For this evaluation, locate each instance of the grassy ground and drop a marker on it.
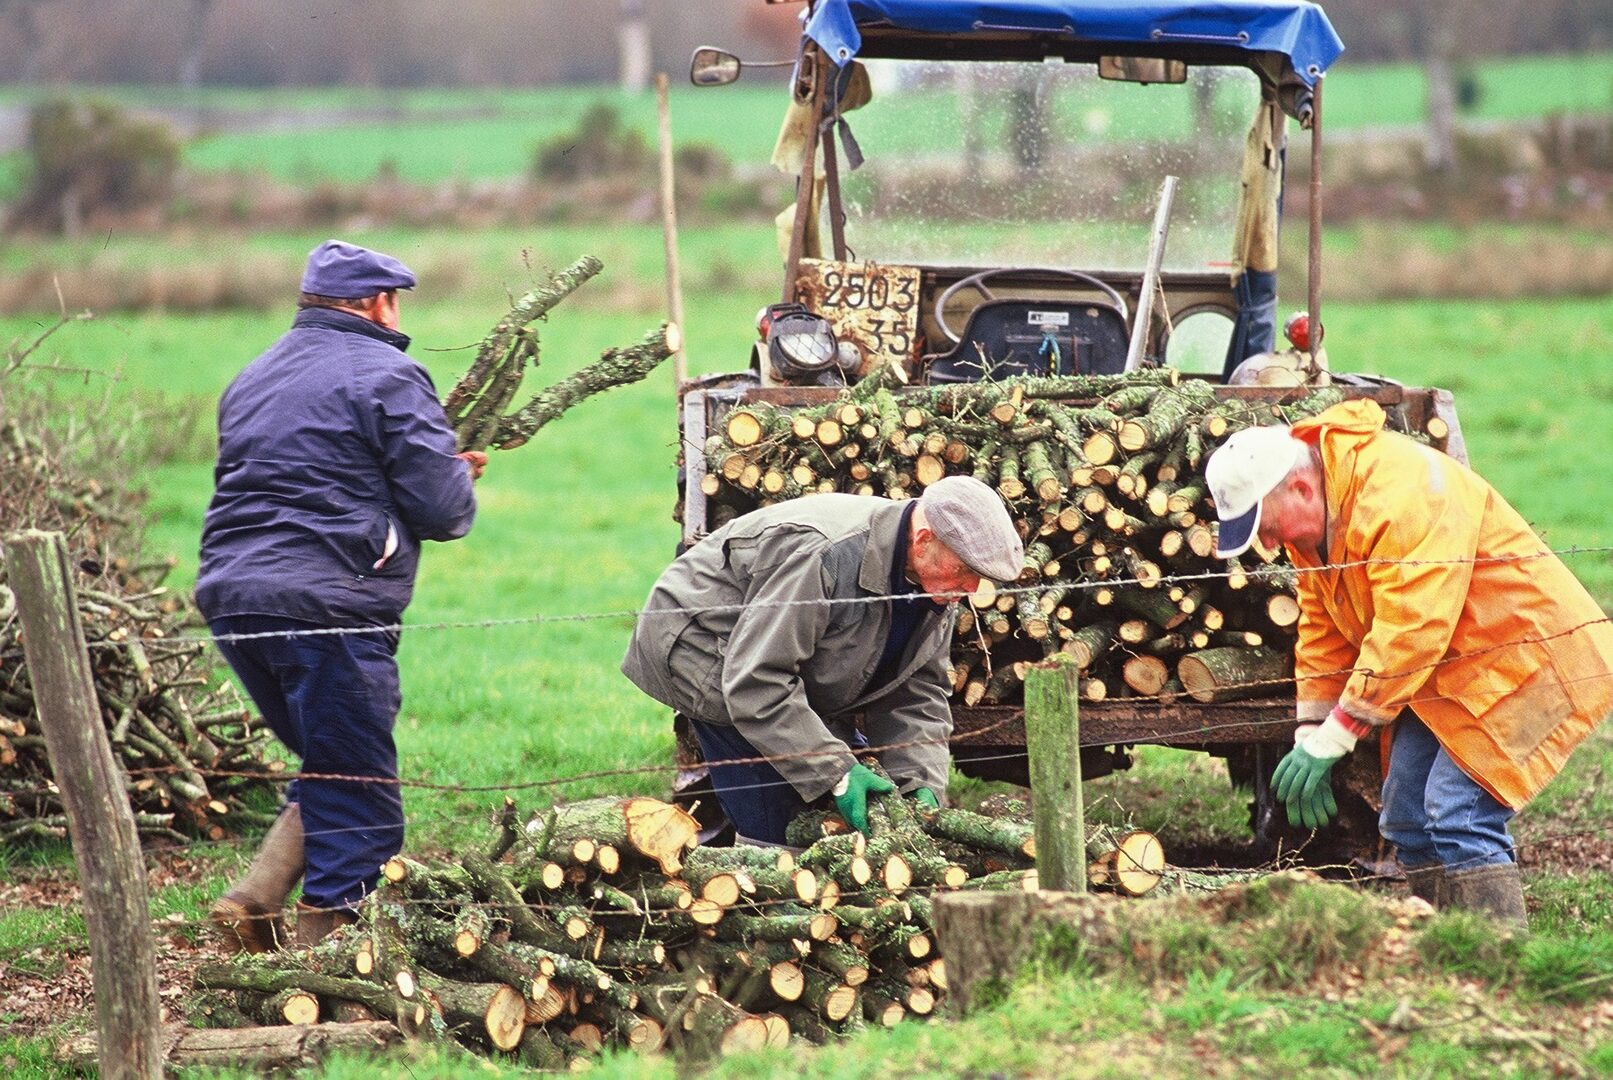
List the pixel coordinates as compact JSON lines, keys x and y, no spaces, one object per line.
{"x":579,"y":523}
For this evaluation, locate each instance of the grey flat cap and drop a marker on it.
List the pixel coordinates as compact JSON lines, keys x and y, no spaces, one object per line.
{"x":970,"y":519}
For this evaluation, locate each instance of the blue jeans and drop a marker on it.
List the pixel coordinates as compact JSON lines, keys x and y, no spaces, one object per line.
{"x":1433,"y":812}
{"x":332,"y":699}
{"x":756,"y":797}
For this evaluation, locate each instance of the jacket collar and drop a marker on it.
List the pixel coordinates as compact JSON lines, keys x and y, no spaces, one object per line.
{"x":325,"y":318}
{"x":1338,"y":433}
{"x":875,"y":574}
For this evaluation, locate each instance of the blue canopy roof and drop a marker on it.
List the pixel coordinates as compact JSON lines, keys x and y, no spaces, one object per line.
{"x":1294,"y":29}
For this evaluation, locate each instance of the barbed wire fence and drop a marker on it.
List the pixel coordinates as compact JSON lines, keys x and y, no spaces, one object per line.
{"x":140,"y":959}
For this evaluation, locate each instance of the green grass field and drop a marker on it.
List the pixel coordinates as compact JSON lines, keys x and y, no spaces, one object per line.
{"x":431,"y":135}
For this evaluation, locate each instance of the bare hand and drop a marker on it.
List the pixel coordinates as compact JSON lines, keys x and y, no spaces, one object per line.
{"x":475,"y":461}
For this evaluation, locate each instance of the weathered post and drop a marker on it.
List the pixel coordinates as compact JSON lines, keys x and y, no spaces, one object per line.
{"x":669,"y":227}
{"x":988,"y":936}
{"x":1053,"y":740}
{"x":106,"y":845}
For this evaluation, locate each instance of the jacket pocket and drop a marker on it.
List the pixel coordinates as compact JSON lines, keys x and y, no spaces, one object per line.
{"x":1528,"y":700}
{"x":384,"y":542}
{"x":695,"y":662}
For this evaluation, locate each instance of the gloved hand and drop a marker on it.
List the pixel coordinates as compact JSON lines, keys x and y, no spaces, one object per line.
{"x":925,"y":797}
{"x":851,"y":794}
{"x":1303,"y":778}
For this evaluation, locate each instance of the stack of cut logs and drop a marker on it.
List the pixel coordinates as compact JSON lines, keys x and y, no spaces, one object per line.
{"x":600,"y":923}
{"x":172,"y":729}
{"x":1104,"y":477}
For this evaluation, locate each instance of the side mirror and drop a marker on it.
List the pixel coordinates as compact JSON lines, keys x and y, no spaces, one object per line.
{"x":713,"y":67}
{"x":1142,"y":69}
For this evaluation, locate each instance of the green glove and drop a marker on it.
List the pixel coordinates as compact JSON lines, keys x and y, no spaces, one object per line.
{"x":1303,"y":782}
{"x":851,"y":794}
{"x":1303,"y":779}
{"x":927,"y":797}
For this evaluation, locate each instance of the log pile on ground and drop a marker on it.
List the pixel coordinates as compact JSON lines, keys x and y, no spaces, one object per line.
{"x":171,"y":728}
{"x":1104,"y":477}
{"x":477,"y":403}
{"x":600,"y":923}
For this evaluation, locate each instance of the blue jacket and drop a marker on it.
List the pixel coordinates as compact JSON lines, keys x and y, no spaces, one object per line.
{"x":335,"y":461}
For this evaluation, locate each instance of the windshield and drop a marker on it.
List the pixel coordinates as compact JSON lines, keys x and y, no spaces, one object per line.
{"x":1014,"y":164}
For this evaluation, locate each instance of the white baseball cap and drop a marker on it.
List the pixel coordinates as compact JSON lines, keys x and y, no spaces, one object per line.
{"x":1243,"y":471}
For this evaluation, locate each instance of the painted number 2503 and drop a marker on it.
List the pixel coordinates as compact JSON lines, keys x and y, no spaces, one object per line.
{"x":857,"y":291}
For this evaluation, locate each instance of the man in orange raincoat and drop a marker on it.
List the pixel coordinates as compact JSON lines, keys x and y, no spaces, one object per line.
{"x":1426,"y":603}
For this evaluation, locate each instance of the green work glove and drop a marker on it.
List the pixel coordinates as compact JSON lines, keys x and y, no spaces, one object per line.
{"x":851,"y":794}
{"x":926,"y":798}
{"x":1303,"y":780}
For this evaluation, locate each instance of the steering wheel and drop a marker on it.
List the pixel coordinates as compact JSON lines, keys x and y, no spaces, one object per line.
{"x":978,"y":283}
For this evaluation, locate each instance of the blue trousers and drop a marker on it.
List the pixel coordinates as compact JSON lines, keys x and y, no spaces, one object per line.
{"x":332,"y":699}
{"x":756,"y":798}
{"x":1433,"y":812}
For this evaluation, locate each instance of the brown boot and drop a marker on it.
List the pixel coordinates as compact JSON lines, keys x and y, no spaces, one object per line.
{"x":316,"y":924}
{"x":247,"y":916}
{"x":1430,"y":883}
{"x":1496,"y":891}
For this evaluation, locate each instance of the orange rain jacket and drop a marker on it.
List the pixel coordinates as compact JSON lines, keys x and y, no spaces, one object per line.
{"x":1462,"y":613}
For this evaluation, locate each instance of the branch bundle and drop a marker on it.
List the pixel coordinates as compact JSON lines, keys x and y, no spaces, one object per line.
{"x":170,"y":728}
{"x":1104,"y":478}
{"x":477,"y":403}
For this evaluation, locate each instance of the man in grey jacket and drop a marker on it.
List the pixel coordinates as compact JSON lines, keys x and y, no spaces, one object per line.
{"x":769,"y":634}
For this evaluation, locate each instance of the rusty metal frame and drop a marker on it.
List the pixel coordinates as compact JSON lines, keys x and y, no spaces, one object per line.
{"x":804,"y":202}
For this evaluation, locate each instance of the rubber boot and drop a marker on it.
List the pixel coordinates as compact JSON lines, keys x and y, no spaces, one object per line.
{"x":316,"y":924}
{"x":248,"y":915}
{"x":1496,"y":891}
{"x":1430,"y":883}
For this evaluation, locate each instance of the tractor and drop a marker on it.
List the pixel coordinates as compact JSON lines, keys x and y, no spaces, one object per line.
{"x":1003,"y":188}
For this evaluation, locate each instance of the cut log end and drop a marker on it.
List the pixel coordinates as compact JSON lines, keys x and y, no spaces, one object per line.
{"x":505,"y":1020}
{"x":1139,"y":862}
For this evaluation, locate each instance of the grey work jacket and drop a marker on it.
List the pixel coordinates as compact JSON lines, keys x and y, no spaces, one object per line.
{"x":777,"y":673}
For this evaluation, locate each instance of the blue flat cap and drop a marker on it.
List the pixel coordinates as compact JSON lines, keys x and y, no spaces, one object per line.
{"x":348,"y":272}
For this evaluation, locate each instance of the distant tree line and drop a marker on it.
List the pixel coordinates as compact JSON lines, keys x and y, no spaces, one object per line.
{"x":403,"y":43}
{"x":529,"y":42}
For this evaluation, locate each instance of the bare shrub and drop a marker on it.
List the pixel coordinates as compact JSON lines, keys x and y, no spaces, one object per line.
{"x":599,"y":146}
{"x":88,"y":157}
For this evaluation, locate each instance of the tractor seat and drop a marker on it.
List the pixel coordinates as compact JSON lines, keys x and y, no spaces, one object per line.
{"x":1004,"y":338}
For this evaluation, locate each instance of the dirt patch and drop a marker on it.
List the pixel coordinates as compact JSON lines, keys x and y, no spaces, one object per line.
{"x":49,"y":989}
{"x":1571,"y":853}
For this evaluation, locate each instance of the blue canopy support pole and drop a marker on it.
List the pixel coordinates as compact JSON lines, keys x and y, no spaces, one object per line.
{"x":805,"y":202}
{"x":1313,"y":305}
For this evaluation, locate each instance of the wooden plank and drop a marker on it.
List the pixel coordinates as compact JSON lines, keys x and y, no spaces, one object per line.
{"x":106,"y":846}
{"x":1053,"y":740}
{"x":1109,"y":723}
{"x":279,"y":1047}
{"x":696,"y":512}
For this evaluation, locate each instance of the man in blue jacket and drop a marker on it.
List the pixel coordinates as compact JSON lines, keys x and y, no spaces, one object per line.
{"x":335,"y":461}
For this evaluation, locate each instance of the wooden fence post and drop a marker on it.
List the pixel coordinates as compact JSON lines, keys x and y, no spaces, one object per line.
{"x":106,"y":845}
{"x":1053,"y":741}
{"x":669,"y":228}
